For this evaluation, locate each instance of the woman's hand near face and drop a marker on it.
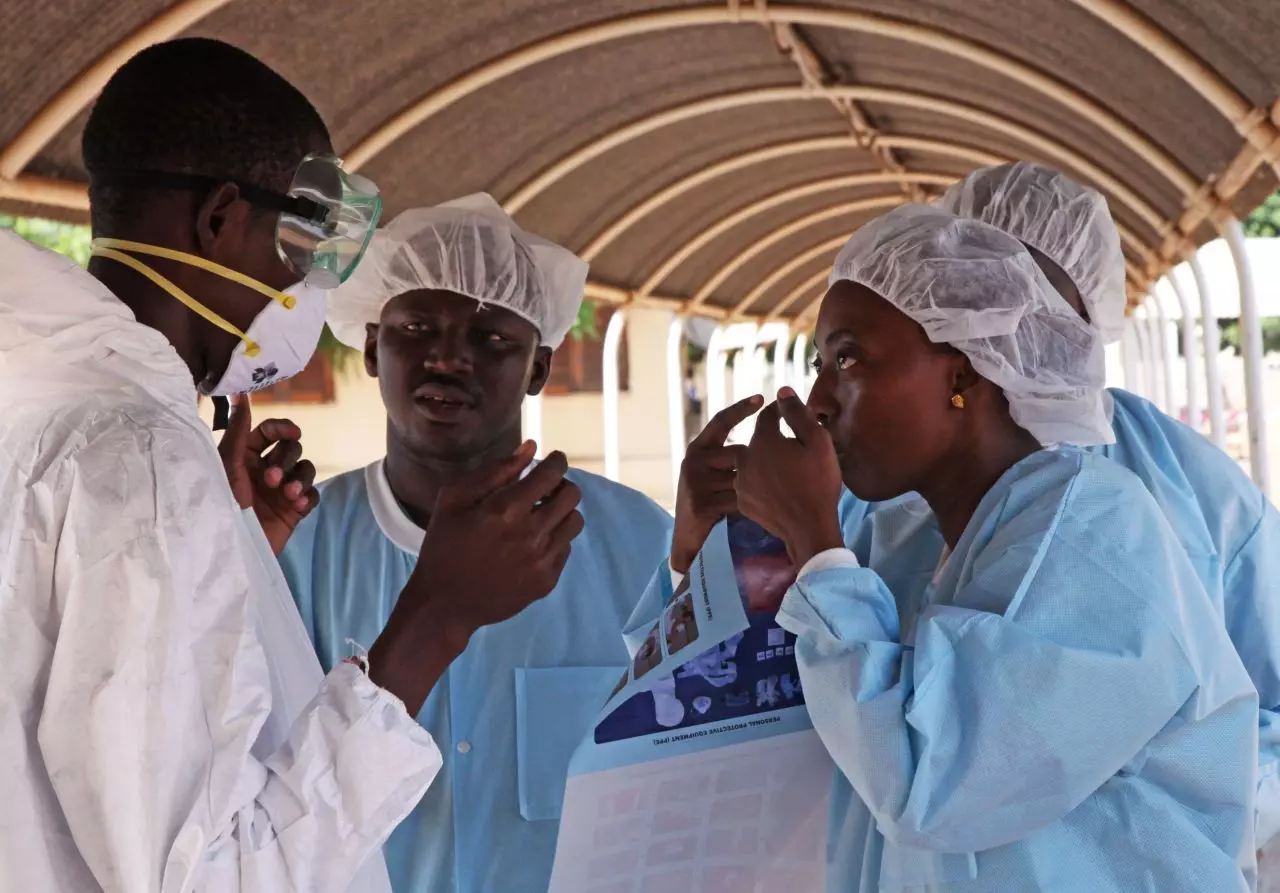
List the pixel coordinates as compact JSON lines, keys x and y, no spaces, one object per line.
{"x":791,"y":486}
{"x":705,"y":493}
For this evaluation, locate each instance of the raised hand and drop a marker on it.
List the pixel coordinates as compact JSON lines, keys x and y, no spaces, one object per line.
{"x":791,"y":486}
{"x":706,"y":493}
{"x":495,"y":544}
{"x":278,"y":485}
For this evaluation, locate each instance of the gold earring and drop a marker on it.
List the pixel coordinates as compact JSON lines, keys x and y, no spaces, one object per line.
{"x":957,"y":400}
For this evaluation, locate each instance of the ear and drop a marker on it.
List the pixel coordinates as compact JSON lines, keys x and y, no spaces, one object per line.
{"x":964,"y":378}
{"x":541,"y":371}
{"x":371,"y":349}
{"x":221,"y":221}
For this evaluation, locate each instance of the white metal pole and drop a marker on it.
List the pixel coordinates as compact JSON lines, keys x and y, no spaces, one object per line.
{"x":716,"y":398}
{"x":533,"y":422}
{"x":747,"y":367}
{"x":1212,"y":343}
{"x":1130,"y":357}
{"x":1166,"y":354}
{"x":1150,"y":383}
{"x":743,"y":377}
{"x":612,"y":341}
{"x":1144,"y":365}
{"x":798,"y":372}
{"x":1188,"y":329}
{"x":780,"y":377}
{"x":1156,"y":358}
{"x":676,"y":397}
{"x":1251,"y":348}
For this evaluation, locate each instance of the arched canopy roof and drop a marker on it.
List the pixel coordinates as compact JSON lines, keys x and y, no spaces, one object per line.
{"x":712,"y":155}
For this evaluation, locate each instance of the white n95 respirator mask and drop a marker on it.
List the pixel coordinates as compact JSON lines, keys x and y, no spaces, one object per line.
{"x":285,"y":337}
{"x":278,"y":343}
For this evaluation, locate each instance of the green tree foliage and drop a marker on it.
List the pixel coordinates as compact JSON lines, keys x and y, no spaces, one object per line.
{"x":1265,"y":219}
{"x":1264,"y":222}
{"x":1229,"y":334}
{"x":70,"y":239}
{"x":585,"y":324}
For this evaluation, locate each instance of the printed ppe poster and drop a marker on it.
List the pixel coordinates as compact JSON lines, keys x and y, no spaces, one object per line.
{"x":703,"y":773}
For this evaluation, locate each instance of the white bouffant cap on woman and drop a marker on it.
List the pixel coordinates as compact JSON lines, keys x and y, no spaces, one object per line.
{"x":975,"y":287}
{"x":1066,"y":222}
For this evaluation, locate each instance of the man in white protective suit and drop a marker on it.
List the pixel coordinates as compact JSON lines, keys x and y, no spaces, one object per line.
{"x":164,"y":724}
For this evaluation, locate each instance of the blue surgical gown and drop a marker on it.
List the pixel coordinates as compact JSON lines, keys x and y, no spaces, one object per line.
{"x":1057,"y":707}
{"x":853,"y":511}
{"x":512,"y":708}
{"x":1231,"y":533}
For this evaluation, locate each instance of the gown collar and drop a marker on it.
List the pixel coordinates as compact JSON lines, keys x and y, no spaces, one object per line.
{"x":392,"y":520}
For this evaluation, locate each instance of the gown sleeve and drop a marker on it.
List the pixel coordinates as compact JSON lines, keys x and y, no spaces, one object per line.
{"x":1252,"y":581}
{"x":159,"y":687}
{"x":1045,"y":670}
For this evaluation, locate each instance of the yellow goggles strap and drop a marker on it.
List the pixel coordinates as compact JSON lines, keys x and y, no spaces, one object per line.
{"x":250,"y":346}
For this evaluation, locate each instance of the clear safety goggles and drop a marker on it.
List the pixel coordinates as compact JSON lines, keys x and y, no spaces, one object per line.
{"x":329,"y":223}
{"x":327,"y":216}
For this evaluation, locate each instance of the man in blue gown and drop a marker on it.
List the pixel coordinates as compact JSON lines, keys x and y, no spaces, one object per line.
{"x":457,"y":312}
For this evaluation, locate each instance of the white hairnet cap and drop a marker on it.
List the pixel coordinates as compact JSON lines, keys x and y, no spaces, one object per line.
{"x":1063,"y":220}
{"x":976,"y":288}
{"x":470,"y":247}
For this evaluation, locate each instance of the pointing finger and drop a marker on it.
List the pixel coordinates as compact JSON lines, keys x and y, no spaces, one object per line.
{"x":281,"y":461}
{"x":539,"y":484}
{"x":767,"y":428}
{"x":236,"y":437}
{"x":269,"y":432}
{"x":478,"y":483}
{"x":799,"y":417}
{"x":724,"y":421}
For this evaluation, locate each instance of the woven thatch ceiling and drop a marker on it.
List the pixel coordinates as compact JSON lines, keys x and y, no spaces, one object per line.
{"x":712,"y":153}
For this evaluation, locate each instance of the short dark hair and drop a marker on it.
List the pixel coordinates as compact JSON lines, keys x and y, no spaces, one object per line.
{"x":194,"y":106}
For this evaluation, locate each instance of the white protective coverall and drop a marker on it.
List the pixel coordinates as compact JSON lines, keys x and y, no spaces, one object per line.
{"x":164,"y":725}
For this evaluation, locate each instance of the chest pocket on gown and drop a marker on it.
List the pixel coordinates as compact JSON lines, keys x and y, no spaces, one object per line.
{"x":555,"y":709}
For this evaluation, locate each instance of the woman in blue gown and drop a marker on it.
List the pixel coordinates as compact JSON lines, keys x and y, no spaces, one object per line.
{"x":1023,"y":683}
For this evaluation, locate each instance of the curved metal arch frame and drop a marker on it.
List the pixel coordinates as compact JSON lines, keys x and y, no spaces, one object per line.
{"x":1045,"y":145}
{"x":847,"y":20}
{"x":1175,"y":56}
{"x":1253,"y":124}
{"x":696,"y":109}
{"x":940,"y":147}
{"x":1189,"y":67}
{"x":76,"y":96}
{"x":706,"y":174}
{"x":773,"y":200}
{"x":1135,"y":274}
{"x":720,"y":227}
{"x":803,"y":289}
{"x":830,"y":212}
{"x":830,"y":246}
{"x":773,"y":152}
